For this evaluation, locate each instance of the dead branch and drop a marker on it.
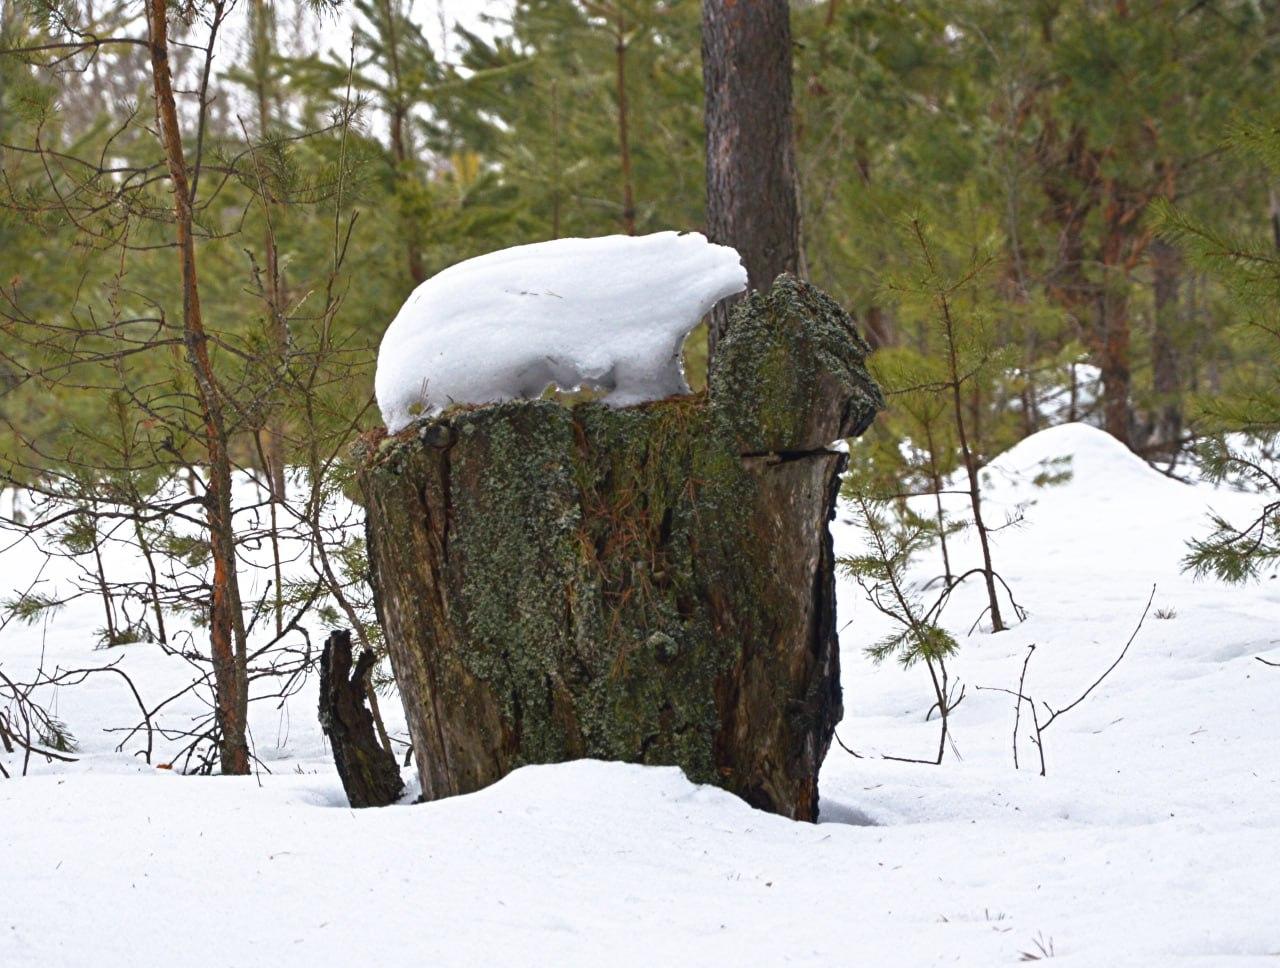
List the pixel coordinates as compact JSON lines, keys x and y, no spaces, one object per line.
{"x":1020,"y":695}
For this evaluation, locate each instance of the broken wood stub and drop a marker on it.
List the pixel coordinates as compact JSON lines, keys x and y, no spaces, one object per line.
{"x":367,"y":769}
{"x":652,"y":584}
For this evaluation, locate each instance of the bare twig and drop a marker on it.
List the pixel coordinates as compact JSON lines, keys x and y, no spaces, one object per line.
{"x":1054,"y":714}
{"x":1020,"y":695}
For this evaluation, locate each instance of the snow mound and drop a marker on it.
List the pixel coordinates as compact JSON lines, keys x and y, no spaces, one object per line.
{"x":609,"y":313}
{"x":1093,"y":457}
{"x":1076,"y":487}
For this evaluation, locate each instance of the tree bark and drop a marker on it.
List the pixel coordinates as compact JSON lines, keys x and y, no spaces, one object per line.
{"x":1076,"y":184}
{"x":1112,"y":349}
{"x":397,"y":108}
{"x":1166,"y":363}
{"x":1112,"y":330}
{"x":624,"y":136}
{"x":262,"y":25}
{"x":367,"y":768}
{"x":652,"y":584}
{"x":751,"y":181}
{"x":226,"y":622}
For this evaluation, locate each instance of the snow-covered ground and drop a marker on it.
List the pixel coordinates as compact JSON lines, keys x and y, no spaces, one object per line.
{"x":1153,"y":840}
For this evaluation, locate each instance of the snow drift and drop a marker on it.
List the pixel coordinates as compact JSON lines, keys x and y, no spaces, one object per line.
{"x":1153,"y":841}
{"x":609,"y":313}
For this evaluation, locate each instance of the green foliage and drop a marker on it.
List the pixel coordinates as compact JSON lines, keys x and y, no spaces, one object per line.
{"x":1242,"y":418}
{"x":54,"y":735}
{"x":917,"y":446}
{"x":31,"y":607}
{"x":941,"y":426}
{"x":955,"y":113}
{"x":546,"y":111}
{"x":1235,"y":551}
{"x":894,"y":537}
{"x":1036,"y":133}
{"x":192,"y":551}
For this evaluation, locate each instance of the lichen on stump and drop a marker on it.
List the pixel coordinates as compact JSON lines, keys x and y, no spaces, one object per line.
{"x":652,"y":584}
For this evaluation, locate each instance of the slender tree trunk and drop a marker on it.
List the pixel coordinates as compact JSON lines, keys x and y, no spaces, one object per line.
{"x":401,"y":150}
{"x":624,"y":137}
{"x":555,"y":159}
{"x":107,"y":605}
{"x":955,"y":383}
{"x":1111,"y":334}
{"x":935,"y":480}
{"x":226,"y":623}
{"x":273,"y":434}
{"x":273,"y":446}
{"x":144,"y":545}
{"x":1166,"y":363}
{"x":751,"y":172}
{"x":975,"y":488}
{"x":1028,"y":393}
{"x":876,"y":327}
{"x":1069,"y":181}
{"x":1111,"y":348}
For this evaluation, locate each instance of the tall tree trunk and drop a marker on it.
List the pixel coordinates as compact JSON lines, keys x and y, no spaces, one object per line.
{"x":273,"y":434}
{"x":970,"y":464}
{"x":1075,"y":186}
{"x":1111,"y":348}
{"x":1166,"y":362}
{"x":226,"y":622}
{"x":401,"y":149}
{"x":1112,"y":336}
{"x":624,"y":136}
{"x":876,"y":327}
{"x":557,"y":172}
{"x":751,"y":179}
{"x":273,"y":445}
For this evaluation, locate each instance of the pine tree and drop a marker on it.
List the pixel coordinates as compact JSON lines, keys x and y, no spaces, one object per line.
{"x":1242,"y":420}
{"x":550,"y":101}
{"x":942,"y":426}
{"x":894,"y":537}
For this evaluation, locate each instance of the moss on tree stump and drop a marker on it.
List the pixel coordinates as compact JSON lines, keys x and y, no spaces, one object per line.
{"x":651,"y":584}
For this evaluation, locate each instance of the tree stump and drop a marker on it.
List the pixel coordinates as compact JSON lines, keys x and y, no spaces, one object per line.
{"x":652,"y":584}
{"x":367,"y":769}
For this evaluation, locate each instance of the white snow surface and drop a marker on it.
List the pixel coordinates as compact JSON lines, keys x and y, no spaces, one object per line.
{"x":1154,"y":839}
{"x":609,"y":313}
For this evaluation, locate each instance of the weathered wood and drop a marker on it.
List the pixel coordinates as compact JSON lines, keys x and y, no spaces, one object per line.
{"x":368,"y":770}
{"x":652,"y":584}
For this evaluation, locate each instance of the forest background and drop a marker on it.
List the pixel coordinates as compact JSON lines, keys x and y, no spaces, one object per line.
{"x":1031,"y":138}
